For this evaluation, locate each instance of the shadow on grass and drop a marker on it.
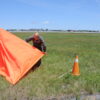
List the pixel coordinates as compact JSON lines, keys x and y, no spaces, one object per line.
{"x":32,"y":69}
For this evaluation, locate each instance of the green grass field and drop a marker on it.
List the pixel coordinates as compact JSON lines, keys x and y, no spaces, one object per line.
{"x":45,"y":81}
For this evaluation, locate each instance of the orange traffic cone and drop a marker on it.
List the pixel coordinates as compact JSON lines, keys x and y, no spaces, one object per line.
{"x":75,"y":70}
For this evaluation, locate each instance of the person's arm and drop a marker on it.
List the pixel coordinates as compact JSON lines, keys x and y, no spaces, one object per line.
{"x":29,"y":39}
{"x":43,"y":45}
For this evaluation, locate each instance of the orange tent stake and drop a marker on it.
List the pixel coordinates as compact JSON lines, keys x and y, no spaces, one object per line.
{"x":75,"y":70}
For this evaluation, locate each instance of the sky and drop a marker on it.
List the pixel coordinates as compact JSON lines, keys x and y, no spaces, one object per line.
{"x":51,"y":14}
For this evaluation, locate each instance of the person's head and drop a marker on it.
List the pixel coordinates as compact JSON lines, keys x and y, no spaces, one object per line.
{"x":36,"y":35}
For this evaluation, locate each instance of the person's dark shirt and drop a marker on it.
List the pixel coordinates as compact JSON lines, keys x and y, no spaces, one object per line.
{"x":38,"y":43}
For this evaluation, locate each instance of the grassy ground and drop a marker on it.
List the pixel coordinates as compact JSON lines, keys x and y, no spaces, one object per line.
{"x":45,"y":82}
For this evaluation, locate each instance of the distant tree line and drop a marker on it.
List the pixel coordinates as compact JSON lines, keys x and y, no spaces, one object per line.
{"x":52,"y":30}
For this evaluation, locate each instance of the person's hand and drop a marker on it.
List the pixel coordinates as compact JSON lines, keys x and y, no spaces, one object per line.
{"x":45,"y":53}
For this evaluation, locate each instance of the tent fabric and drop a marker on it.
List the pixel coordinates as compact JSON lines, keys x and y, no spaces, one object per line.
{"x":16,"y":56}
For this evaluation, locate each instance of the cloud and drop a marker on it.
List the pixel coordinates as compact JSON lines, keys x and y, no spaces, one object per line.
{"x":34,"y":22}
{"x":46,"y":22}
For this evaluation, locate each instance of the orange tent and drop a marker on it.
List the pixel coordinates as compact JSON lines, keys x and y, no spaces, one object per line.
{"x":16,"y":56}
